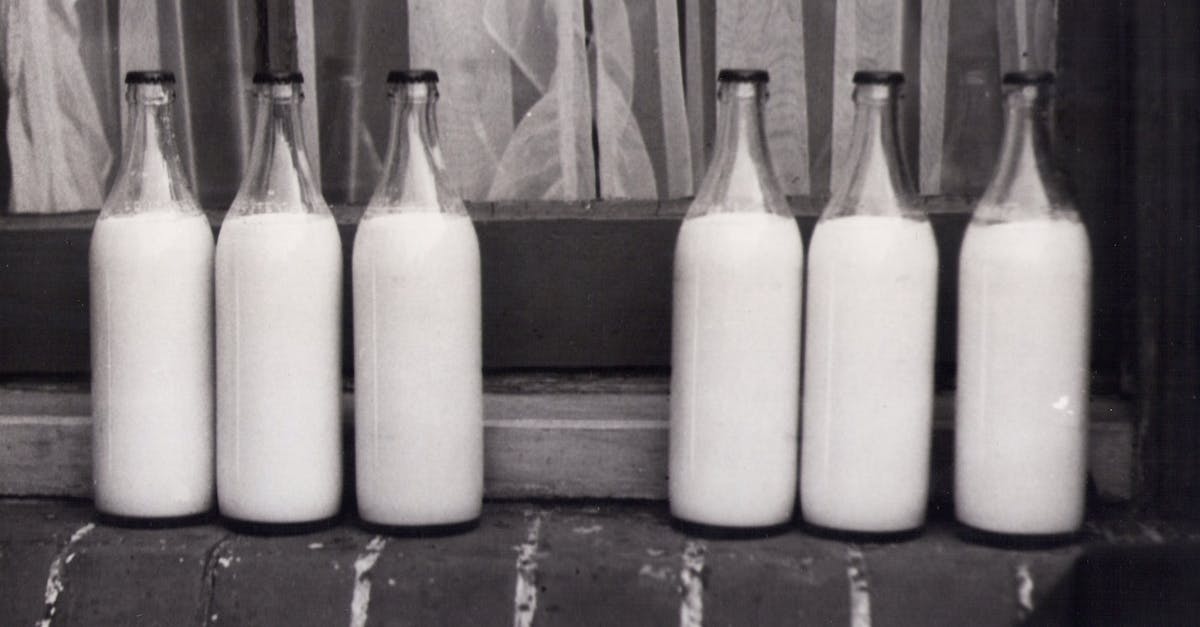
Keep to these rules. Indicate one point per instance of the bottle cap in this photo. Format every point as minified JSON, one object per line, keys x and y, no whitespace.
{"x":878,"y":77}
{"x":742,"y":75}
{"x":278,"y":78}
{"x":412,"y":76}
{"x":1029,"y":77}
{"x":149,"y":77}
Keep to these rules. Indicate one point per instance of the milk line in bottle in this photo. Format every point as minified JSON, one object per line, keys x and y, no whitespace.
{"x":735,"y":353}
{"x":150,"y":267}
{"x":278,"y":279}
{"x":1023,"y":331}
{"x":869,"y":336}
{"x":417,"y":331}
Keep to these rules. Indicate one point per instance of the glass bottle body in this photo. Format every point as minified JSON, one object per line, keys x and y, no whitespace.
{"x":278,"y":297}
{"x":417,"y":332}
{"x":150,"y":267}
{"x":869,"y":336}
{"x":736,"y":331}
{"x":1024,"y":303}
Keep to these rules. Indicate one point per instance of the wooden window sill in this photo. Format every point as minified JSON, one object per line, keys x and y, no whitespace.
{"x":546,"y":436}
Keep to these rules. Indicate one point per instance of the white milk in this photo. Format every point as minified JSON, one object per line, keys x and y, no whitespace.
{"x":418,"y":383}
{"x":868,"y":374}
{"x":735,"y":364}
{"x":1022,"y":401}
{"x":279,"y":367}
{"x":152,"y":381}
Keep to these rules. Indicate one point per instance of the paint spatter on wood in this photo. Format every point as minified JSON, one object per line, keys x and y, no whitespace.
{"x":525,"y":596}
{"x":360,"y":601}
{"x":1024,"y":592}
{"x":860,"y":595}
{"x":691,"y":583}
{"x":54,"y":580}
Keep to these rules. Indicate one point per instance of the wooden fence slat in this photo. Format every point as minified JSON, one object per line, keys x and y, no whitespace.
{"x":770,"y":35}
{"x":676,"y":140}
{"x":935,"y":39}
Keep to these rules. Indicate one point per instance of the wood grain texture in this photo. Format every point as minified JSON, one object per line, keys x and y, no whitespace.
{"x":1165,"y":48}
{"x":475,"y":113}
{"x":675,"y":131}
{"x":545,"y":437}
{"x":770,"y":35}
{"x":935,"y":40}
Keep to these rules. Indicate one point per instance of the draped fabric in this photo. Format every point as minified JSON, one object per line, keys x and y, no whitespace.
{"x":541,"y":99}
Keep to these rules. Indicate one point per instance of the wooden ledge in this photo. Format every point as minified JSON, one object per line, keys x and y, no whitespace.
{"x":546,"y":435}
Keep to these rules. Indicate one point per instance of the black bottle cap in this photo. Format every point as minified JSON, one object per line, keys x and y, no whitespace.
{"x":743,"y":75}
{"x":149,"y":77}
{"x":1028,"y":77}
{"x":878,"y":77}
{"x":412,"y":76}
{"x":278,"y":78}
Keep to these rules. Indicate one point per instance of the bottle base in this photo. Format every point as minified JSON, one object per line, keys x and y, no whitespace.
{"x":420,"y":531}
{"x":155,"y":522}
{"x":862,"y":537}
{"x":1018,"y":541}
{"x":259,"y":528}
{"x":724,"y":532}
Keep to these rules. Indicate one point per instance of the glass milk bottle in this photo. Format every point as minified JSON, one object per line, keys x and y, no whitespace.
{"x":1023,"y":329}
{"x":869,"y":335}
{"x":279,"y":282}
{"x":151,"y":317}
{"x":735,"y":354}
{"x":417,"y":350}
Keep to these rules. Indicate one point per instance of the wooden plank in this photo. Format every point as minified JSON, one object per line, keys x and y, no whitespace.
{"x":549,"y":437}
{"x":579,"y":285}
{"x":1165,"y":49}
{"x":935,"y":39}
{"x":676,"y":139}
{"x":770,"y":35}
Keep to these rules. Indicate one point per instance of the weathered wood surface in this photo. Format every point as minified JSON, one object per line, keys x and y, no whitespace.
{"x":1164,"y":162}
{"x":555,"y":564}
{"x":545,"y":437}
{"x":566,"y":285}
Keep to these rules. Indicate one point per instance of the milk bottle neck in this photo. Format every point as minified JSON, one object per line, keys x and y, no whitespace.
{"x":414,"y":172}
{"x":1025,"y":184}
{"x":740,"y":178}
{"x":150,"y":176}
{"x":877,"y":182}
{"x":278,"y":178}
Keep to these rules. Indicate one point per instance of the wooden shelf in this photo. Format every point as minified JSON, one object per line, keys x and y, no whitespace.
{"x":546,"y":436}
